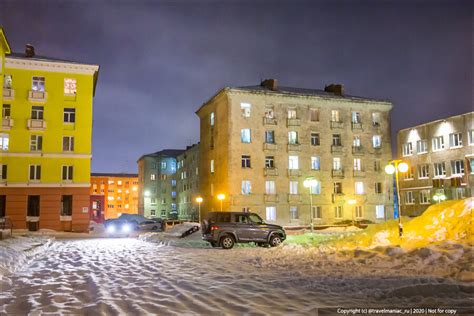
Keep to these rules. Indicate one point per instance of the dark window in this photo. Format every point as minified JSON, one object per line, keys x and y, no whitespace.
{"x":33,"y":205}
{"x":66,"y":205}
{"x":69,"y":115}
{"x":269,"y":137}
{"x":336,"y":140}
{"x":314,"y":139}
{"x":378,"y":187}
{"x":3,"y":205}
{"x":269,"y":162}
{"x":3,"y":175}
{"x":245,"y":161}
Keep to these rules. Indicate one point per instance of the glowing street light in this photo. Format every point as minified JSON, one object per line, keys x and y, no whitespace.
{"x":309,"y":183}
{"x":221,"y":197}
{"x":199,"y":201}
{"x":439,"y":197}
{"x":396,"y":166}
{"x":147,"y":193}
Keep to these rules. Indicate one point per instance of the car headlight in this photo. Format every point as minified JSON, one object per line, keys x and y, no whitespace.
{"x":110,"y":228}
{"x":126,"y":228}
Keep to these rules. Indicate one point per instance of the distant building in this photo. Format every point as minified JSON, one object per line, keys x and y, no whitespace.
{"x":120,"y":191}
{"x":45,"y":139}
{"x":258,"y":145}
{"x":187,"y":179}
{"x":441,"y":159}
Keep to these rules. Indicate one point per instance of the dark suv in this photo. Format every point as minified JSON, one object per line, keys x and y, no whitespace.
{"x":227,"y":228}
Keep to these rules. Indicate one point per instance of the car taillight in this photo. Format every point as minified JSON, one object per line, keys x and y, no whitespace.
{"x":214,"y":228}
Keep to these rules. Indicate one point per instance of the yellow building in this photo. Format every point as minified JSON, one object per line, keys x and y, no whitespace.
{"x":45,"y":139}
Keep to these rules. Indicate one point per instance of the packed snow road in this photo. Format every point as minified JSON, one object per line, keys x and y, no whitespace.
{"x":130,"y":276}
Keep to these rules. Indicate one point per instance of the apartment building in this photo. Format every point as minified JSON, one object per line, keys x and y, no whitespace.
{"x":441,"y":159}
{"x":258,"y":145}
{"x":157,"y":184}
{"x":45,"y":139}
{"x":188,"y":183}
{"x":120,"y":191}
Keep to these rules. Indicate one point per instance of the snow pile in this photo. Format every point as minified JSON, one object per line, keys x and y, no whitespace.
{"x":182,"y":229}
{"x":191,"y":241}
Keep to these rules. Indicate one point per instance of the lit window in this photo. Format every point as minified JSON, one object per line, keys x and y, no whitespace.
{"x":338,"y":212}
{"x":293,"y":162}
{"x":438,"y":143}
{"x":379,"y":211}
{"x":269,"y":114}
{"x":212,"y":166}
{"x":292,"y":137}
{"x":356,"y":117}
{"x":245,"y":135}
{"x":7,"y":81}
{"x":422,"y":146}
{"x":409,"y":174}
{"x":409,"y":198}
{"x":69,"y":115}
{"x":270,"y":187}
{"x":316,"y":188}
{"x":377,"y":141}
{"x":36,"y":142}
{"x":163,"y":165}
{"x":67,"y":173}
{"x":357,"y":164}
{"x":245,"y":108}
{"x":119,"y":182}
{"x":37,"y":84}
{"x":211,"y":119}
{"x":246,"y":187}
{"x":293,"y":212}
{"x":335,"y":116}
{"x":68,"y":143}
{"x":314,"y":115}
{"x":336,"y":163}
{"x":376,"y":119}
{"x":291,"y":114}
{"x":455,"y":140}
{"x":69,"y":86}
{"x":315,"y":139}
{"x":270,"y":212}
{"x":152,"y":177}
{"x":293,"y":187}
{"x":359,"y":187}
{"x":315,"y":163}
{"x":470,"y":136}
{"x":356,"y":141}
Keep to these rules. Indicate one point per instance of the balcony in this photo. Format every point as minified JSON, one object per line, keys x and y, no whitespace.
{"x":271,"y":198}
{"x":37,"y":96}
{"x":294,"y":198}
{"x":270,"y":146}
{"x":336,"y":148}
{"x":8,"y":94}
{"x":359,"y":173}
{"x":37,"y":125}
{"x":356,"y":126}
{"x":294,"y":147}
{"x":270,"y":171}
{"x":337,"y":173}
{"x":357,"y":150}
{"x":7,"y":124}
{"x":294,"y":172}
{"x":293,"y":122}
{"x":337,"y":124}
{"x":269,"y":121}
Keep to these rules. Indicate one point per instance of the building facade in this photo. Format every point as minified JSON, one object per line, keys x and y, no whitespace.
{"x":440,"y":155}
{"x":45,"y":139}
{"x":188,"y":183}
{"x":120,"y":191}
{"x":259,"y":144}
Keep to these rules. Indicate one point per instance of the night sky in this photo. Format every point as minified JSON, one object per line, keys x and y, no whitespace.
{"x":160,"y":60}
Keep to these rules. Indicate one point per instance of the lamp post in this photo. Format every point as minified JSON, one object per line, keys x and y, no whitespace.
{"x":221,"y":197}
{"x":199,"y":201}
{"x":395,"y":166}
{"x":309,"y":183}
{"x":439,"y":197}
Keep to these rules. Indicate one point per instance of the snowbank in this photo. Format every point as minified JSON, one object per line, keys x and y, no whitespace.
{"x":181,"y":229}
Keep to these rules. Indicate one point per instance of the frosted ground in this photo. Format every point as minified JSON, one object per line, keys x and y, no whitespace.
{"x":161,"y":275}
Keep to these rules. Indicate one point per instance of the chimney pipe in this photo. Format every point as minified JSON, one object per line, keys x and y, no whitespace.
{"x":271,"y":84}
{"x":337,"y":89}
{"x":29,"y":50}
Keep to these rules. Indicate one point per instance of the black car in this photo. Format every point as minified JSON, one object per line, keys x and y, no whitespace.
{"x":224,"y":229}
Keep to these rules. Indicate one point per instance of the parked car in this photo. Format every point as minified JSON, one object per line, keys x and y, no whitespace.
{"x":119,"y":227}
{"x":149,"y":225}
{"x":224,"y":229}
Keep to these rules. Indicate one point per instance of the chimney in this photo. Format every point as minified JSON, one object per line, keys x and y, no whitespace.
{"x":29,"y":50}
{"x":337,"y":89}
{"x":271,"y":84}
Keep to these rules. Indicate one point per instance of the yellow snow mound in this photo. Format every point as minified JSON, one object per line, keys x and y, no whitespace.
{"x":448,"y":221}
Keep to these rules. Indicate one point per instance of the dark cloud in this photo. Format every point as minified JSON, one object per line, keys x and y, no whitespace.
{"x":160,"y":60}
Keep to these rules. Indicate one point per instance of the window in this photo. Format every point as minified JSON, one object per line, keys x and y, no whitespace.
{"x":211,"y":119}
{"x":37,"y":84}
{"x":315,"y":139}
{"x":335,"y":116}
{"x":291,"y":114}
{"x":378,"y":187}
{"x":358,"y":211}
{"x":338,"y":211}
{"x":409,"y":198}
{"x":3,"y":172}
{"x":336,"y":163}
{"x":270,"y":137}
{"x":293,"y":162}
{"x":438,"y":143}
{"x":337,"y":187}
{"x":245,"y":161}
{"x":269,"y":114}
{"x":292,"y":137}
{"x":245,"y":108}
{"x":35,"y":172}
{"x":377,"y":141}
{"x":355,"y":117}
{"x":317,"y":212}
{"x":457,"y":167}
{"x":246,"y":187}
{"x":425,"y":197}
{"x":37,"y":112}
{"x":455,"y":140}
{"x":245,"y":135}
{"x":36,"y":142}
{"x":315,"y":189}
{"x":293,"y":187}
{"x":270,"y":187}
{"x":423,"y":172}
{"x":356,"y":141}
{"x":470,"y":137}
{"x":212,"y":166}
{"x":67,"y":173}
{"x":359,"y":187}
{"x":293,"y":212}
{"x":163,"y":165}
{"x":409,"y":174}
{"x":315,"y":163}
{"x":66,"y":205}
{"x":7,"y":81}
{"x":439,"y":169}
{"x":314,"y":115}
{"x":69,"y":86}
{"x":68,"y":143}
{"x":69,"y":115}
{"x":376,"y":119}
{"x":380,"y":211}
{"x":269,"y":162}
{"x":3,"y":205}
{"x":422,"y":146}
{"x":33,"y":206}
{"x":377,"y":165}
{"x":270,"y":212}
{"x":357,"y":164}
{"x":471,"y":165}
{"x":6,"y":111}
{"x":152,"y":177}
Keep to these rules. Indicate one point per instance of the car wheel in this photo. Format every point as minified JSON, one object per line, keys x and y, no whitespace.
{"x":275,"y":240}
{"x":227,"y":242}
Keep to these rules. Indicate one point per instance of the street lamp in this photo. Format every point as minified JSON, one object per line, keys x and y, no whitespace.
{"x":199,"y":201}
{"x":439,"y":197}
{"x":310,"y":183}
{"x":396,"y":166}
{"x":221,"y":197}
